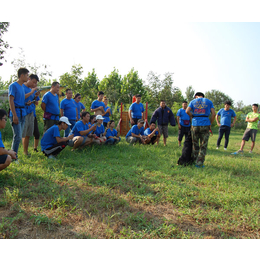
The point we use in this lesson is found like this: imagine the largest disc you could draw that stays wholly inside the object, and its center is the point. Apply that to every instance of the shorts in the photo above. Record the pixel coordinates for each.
(163, 130)
(72, 141)
(3, 158)
(28, 125)
(249, 133)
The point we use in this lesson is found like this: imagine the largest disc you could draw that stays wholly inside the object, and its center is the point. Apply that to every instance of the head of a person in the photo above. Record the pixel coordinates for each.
(152, 126)
(69, 93)
(55, 87)
(92, 119)
(227, 105)
(85, 116)
(184, 104)
(77, 97)
(255, 107)
(199, 95)
(100, 95)
(23, 74)
(138, 98)
(64, 122)
(140, 123)
(105, 100)
(99, 119)
(33, 80)
(162, 104)
(111, 124)
(3, 118)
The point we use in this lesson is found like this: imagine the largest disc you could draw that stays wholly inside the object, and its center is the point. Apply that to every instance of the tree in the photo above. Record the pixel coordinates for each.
(189, 93)
(3, 44)
(218, 98)
(153, 87)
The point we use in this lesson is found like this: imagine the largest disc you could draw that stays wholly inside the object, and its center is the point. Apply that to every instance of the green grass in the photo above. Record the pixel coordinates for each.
(132, 192)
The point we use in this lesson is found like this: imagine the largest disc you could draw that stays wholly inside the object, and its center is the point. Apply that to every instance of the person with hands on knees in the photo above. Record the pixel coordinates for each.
(100, 131)
(112, 134)
(136, 133)
(52, 144)
(97, 106)
(152, 134)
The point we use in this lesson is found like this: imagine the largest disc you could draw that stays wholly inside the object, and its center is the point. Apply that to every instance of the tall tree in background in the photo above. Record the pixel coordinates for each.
(218, 98)
(3, 44)
(153, 87)
(189, 94)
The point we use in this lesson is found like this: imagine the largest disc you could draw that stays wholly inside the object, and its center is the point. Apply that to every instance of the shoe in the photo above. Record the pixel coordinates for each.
(225, 149)
(238, 152)
(52, 157)
(250, 151)
(35, 150)
(217, 147)
(199, 166)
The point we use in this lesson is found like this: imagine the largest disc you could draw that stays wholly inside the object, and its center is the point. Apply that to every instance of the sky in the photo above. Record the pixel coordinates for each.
(206, 46)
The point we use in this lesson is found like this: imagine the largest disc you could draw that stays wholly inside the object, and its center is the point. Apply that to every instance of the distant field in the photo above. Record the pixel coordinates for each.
(132, 192)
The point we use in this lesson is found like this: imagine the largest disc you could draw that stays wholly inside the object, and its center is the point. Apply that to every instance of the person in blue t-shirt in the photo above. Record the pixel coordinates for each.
(50, 106)
(69, 109)
(136, 110)
(51, 143)
(136, 133)
(225, 123)
(199, 110)
(80, 106)
(6, 156)
(100, 131)
(152, 134)
(112, 134)
(107, 112)
(183, 120)
(97, 106)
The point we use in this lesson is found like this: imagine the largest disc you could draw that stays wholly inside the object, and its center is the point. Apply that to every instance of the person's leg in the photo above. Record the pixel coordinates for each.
(165, 134)
(220, 135)
(77, 141)
(195, 142)
(227, 132)
(36, 134)
(117, 141)
(204, 137)
(5, 161)
(252, 146)
(26, 140)
(55, 149)
(180, 135)
(110, 141)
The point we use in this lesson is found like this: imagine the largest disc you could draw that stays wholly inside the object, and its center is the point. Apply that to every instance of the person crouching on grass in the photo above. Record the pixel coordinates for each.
(100, 131)
(6, 156)
(52, 144)
(152, 134)
(136, 133)
(112, 134)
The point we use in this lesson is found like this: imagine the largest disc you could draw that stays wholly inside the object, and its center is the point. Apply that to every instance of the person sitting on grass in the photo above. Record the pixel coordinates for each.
(100, 131)
(81, 131)
(152, 134)
(136, 133)
(112, 134)
(52, 144)
(6, 156)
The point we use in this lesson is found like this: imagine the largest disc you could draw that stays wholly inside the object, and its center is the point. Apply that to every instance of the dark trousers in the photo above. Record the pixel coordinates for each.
(36, 132)
(223, 129)
(55, 149)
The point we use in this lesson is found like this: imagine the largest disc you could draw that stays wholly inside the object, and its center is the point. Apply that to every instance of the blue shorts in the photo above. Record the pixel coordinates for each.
(3, 158)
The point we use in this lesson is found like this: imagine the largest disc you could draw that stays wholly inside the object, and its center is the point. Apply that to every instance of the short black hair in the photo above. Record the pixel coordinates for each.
(228, 103)
(34, 76)
(68, 89)
(138, 95)
(199, 94)
(22, 71)
(153, 123)
(77, 95)
(162, 101)
(93, 116)
(55, 83)
(84, 113)
(184, 101)
(256, 105)
(100, 93)
(2, 113)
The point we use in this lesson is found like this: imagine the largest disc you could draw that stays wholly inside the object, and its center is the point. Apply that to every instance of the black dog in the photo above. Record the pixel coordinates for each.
(186, 157)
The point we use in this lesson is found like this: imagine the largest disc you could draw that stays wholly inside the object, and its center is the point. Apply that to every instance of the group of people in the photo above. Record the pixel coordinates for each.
(82, 129)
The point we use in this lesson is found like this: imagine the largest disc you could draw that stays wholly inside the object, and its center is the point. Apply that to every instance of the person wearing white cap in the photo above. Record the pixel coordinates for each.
(100, 131)
(51, 143)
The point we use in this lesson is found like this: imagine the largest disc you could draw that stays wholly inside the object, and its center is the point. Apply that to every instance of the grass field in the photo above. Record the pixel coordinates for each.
(132, 192)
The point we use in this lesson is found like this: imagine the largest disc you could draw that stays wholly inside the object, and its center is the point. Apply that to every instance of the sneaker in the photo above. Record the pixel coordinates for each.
(35, 150)
(217, 147)
(250, 151)
(238, 152)
(52, 157)
(225, 149)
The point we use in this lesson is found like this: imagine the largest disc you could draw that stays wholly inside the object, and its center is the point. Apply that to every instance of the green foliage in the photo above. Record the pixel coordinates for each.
(3, 44)
(189, 94)
(218, 98)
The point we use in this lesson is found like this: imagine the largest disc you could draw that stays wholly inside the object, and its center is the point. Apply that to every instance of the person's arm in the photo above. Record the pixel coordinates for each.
(30, 93)
(85, 132)
(130, 116)
(64, 139)
(178, 122)
(98, 108)
(213, 114)
(61, 112)
(250, 120)
(77, 115)
(12, 107)
(188, 111)
(217, 117)
(8, 152)
(234, 121)
(43, 106)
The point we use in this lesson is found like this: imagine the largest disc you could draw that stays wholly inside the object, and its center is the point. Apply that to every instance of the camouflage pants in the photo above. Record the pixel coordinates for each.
(200, 137)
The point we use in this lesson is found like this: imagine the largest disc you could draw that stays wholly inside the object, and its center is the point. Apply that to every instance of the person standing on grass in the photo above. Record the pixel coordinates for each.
(136, 133)
(112, 134)
(36, 132)
(183, 120)
(50, 106)
(81, 131)
(163, 115)
(30, 110)
(52, 144)
(152, 134)
(100, 131)
(79, 105)
(199, 110)
(136, 110)
(97, 106)
(252, 119)
(107, 113)
(69, 109)
(225, 123)
(6, 156)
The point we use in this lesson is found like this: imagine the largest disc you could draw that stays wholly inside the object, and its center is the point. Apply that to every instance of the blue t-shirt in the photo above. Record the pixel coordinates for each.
(226, 116)
(52, 104)
(30, 108)
(137, 110)
(99, 130)
(106, 116)
(79, 106)
(148, 131)
(49, 137)
(111, 133)
(183, 116)
(135, 130)
(201, 109)
(1, 142)
(79, 126)
(96, 104)
(69, 108)
(17, 91)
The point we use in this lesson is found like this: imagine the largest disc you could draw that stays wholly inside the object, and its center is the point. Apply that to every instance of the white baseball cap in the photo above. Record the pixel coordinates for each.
(99, 117)
(65, 120)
